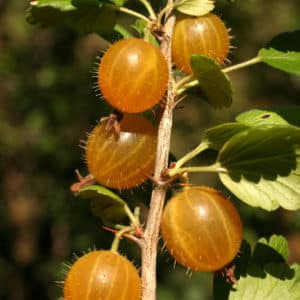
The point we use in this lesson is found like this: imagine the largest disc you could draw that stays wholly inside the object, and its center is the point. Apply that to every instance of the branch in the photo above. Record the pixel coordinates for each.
(149, 248)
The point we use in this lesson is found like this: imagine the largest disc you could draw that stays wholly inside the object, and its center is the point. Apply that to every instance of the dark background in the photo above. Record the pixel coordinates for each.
(48, 104)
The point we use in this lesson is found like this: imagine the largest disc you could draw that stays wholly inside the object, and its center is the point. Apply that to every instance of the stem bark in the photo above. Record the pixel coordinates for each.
(151, 234)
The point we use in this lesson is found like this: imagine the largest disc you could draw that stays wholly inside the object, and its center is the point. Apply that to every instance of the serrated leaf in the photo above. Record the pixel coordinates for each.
(283, 52)
(267, 194)
(278, 243)
(194, 7)
(258, 117)
(274, 250)
(86, 17)
(284, 61)
(260, 152)
(214, 83)
(104, 203)
(217, 136)
(263, 275)
(267, 288)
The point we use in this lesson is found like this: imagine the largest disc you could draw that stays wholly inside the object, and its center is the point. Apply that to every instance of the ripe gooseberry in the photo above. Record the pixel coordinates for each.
(104, 275)
(133, 75)
(201, 229)
(125, 160)
(204, 35)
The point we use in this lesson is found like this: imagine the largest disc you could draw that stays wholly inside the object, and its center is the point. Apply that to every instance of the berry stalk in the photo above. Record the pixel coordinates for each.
(149, 247)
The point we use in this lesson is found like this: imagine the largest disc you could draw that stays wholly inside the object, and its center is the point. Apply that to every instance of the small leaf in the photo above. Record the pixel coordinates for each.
(267, 194)
(285, 61)
(260, 152)
(62, 5)
(215, 84)
(257, 117)
(195, 7)
(86, 17)
(104, 203)
(217, 136)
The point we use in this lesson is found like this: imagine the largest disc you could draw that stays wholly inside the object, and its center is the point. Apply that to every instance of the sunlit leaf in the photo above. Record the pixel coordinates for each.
(284, 61)
(268, 194)
(195, 7)
(260, 152)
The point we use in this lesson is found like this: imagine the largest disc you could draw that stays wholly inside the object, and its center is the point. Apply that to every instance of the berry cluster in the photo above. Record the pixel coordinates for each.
(133, 76)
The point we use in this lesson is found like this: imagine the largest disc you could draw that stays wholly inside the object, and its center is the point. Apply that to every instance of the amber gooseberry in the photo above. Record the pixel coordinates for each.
(133, 75)
(122, 160)
(204, 35)
(201, 228)
(104, 275)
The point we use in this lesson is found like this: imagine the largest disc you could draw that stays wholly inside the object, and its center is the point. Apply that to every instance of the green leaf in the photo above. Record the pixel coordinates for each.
(260, 152)
(267, 288)
(284, 61)
(217, 136)
(62, 5)
(258, 117)
(274, 250)
(84, 3)
(104, 203)
(86, 17)
(267, 194)
(263, 275)
(215, 84)
(283, 52)
(195, 7)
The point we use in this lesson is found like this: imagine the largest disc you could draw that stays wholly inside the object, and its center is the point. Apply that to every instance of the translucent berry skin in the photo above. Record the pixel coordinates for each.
(201, 229)
(205, 35)
(123, 161)
(104, 275)
(133, 75)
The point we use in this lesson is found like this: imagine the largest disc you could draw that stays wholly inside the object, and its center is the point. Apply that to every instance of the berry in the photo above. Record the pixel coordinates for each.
(133, 75)
(124, 160)
(204, 35)
(104, 275)
(201, 229)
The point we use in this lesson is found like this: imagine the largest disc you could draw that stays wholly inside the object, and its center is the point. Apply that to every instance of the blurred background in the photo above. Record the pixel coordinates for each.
(48, 104)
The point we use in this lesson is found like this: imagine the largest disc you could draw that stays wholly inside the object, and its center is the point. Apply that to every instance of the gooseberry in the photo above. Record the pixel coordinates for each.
(122, 160)
(104, 275)
(201, 229)
(204, 35)
(133, 75)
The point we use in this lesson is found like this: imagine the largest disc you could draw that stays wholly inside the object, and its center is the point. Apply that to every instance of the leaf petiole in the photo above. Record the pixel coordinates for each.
(149, 8)
(200, 148)
(215, 168)
(133, 13)
(242, 65)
